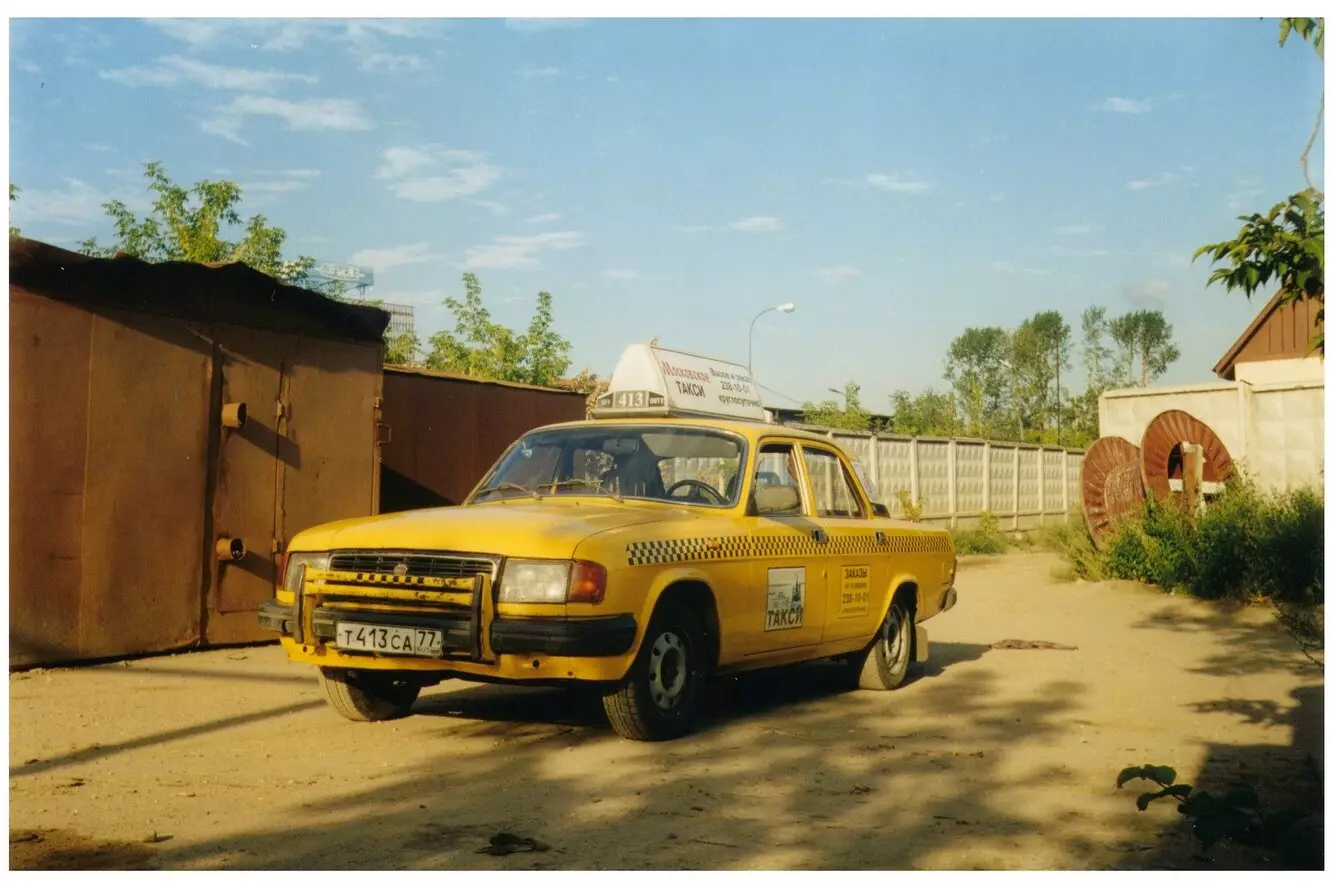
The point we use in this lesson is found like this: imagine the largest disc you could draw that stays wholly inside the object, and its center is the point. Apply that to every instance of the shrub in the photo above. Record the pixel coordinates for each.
(984, 539)
(1246, 544)
(1072, 540)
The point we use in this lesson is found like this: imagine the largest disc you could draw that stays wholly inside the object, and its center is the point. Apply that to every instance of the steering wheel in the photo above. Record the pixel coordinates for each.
(702, 487)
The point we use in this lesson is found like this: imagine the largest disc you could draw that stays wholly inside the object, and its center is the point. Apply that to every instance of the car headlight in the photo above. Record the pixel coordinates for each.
(535, 582)
(297, 563)
(553, 582)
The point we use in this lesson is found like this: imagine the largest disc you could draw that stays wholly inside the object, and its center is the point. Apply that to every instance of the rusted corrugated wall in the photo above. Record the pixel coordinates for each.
(123, 475)
(446, 431)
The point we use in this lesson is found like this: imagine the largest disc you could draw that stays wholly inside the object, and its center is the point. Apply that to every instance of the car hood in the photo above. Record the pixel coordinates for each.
(550, 528)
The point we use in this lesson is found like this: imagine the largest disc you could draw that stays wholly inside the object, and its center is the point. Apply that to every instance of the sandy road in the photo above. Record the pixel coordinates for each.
(993, 758)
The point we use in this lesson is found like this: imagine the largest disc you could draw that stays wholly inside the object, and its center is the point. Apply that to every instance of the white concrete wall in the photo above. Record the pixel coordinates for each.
(1286, 370)
(955, 480)
(1274, 432)
(1284, 429)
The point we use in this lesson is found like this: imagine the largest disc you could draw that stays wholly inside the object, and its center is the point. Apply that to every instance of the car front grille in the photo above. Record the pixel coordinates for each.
(419, 564)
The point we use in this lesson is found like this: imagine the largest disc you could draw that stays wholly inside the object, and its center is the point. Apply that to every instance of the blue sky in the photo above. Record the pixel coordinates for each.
(898, 179)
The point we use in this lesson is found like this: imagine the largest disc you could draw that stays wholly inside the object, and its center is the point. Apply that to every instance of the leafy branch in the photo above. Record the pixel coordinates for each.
(1236, 815)
(1286, 244)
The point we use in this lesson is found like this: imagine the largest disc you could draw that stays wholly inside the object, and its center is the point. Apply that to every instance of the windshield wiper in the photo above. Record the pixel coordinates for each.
(587, 482)
(508, 485)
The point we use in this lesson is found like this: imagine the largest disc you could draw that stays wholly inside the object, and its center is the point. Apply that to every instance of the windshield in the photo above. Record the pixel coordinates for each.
(667, 463)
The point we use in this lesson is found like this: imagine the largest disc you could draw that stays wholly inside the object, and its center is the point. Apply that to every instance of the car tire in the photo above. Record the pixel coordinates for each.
(884, 664)
(660, 697)
(367, 696)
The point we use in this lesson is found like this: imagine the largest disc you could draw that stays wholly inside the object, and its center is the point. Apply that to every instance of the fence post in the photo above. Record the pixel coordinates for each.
(952, 482)
(913, 458)
(985, 474)
(874, 463)
(1064, 474)
(1040, 483)
(1017, 487)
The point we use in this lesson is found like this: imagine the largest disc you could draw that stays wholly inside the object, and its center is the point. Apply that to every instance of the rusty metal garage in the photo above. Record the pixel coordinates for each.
(134, 466)
(445, 430)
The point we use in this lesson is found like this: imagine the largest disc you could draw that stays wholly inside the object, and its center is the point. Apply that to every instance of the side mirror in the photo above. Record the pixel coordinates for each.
(881, 510)
(776, 499)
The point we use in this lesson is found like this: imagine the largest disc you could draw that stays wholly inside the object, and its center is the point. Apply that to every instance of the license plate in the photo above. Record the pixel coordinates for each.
(403, 640)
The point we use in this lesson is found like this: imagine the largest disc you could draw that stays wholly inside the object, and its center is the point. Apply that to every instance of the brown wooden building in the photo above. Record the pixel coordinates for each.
(1277, 333)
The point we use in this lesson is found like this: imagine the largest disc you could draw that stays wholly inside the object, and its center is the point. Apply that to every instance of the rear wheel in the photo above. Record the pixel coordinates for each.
(367, 695)
(884, 664)
(659, 699)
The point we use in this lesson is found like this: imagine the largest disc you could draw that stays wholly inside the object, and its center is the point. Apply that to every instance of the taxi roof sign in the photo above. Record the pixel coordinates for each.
(651, 381)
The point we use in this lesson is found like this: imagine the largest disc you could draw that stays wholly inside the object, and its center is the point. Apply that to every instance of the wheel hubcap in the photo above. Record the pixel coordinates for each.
(667, 670)
(894, 638)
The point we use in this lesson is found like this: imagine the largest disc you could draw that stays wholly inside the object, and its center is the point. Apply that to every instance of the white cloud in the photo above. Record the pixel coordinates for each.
(1165, 178)
(693, 229)
(196, 32)
(544, 218)
(621, 274)
(1126, 106)
(521, 252)
(78, 203)
(400, 162)
(278, 181)
(836, 273)
(542, 24)
(390, 63)
(1078, 229)
(531, 71)
(392, 257)
(904, 183)
(430, 173)
(756, 224)
(1246, 192)
(171, 70)
(1150, 293)
(304, 114)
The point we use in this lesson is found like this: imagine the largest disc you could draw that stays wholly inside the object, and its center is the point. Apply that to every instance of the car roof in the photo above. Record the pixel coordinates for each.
(741, 427)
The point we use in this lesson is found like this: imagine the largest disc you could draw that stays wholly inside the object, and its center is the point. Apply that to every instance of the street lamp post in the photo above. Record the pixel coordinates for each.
(784, 308)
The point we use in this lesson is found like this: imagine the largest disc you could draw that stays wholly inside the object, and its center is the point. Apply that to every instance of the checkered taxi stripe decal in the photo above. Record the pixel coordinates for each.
(778, 546)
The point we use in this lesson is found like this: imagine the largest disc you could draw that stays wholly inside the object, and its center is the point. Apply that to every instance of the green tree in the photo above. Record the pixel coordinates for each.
(401, 349)
(13, 196)
(1284, 245)
(979, 365)
(1146, 338)
(849, 415)
(478, 346)
(1041, 353)
(545, 352)
(187, 225)
(929, 413)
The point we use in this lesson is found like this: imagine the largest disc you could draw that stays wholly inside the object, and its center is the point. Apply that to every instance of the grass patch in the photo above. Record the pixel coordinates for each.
(984, 539)
(1247, 545)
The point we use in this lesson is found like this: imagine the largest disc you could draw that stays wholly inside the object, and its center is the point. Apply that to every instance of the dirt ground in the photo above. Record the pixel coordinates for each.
(992, 758)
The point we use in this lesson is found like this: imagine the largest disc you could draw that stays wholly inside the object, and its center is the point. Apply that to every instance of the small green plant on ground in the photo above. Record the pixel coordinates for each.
(983, 539)
(1237, 815)
(911, 509)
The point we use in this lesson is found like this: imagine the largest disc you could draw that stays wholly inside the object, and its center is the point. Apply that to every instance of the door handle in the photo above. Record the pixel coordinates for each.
(820, 535)
(880, 537)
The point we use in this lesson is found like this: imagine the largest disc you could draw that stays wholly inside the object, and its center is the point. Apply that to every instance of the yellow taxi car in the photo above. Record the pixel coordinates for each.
(674, 536)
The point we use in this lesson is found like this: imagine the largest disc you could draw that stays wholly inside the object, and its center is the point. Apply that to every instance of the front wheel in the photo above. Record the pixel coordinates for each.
(367, 695)
(659, 699)
(884, 664)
